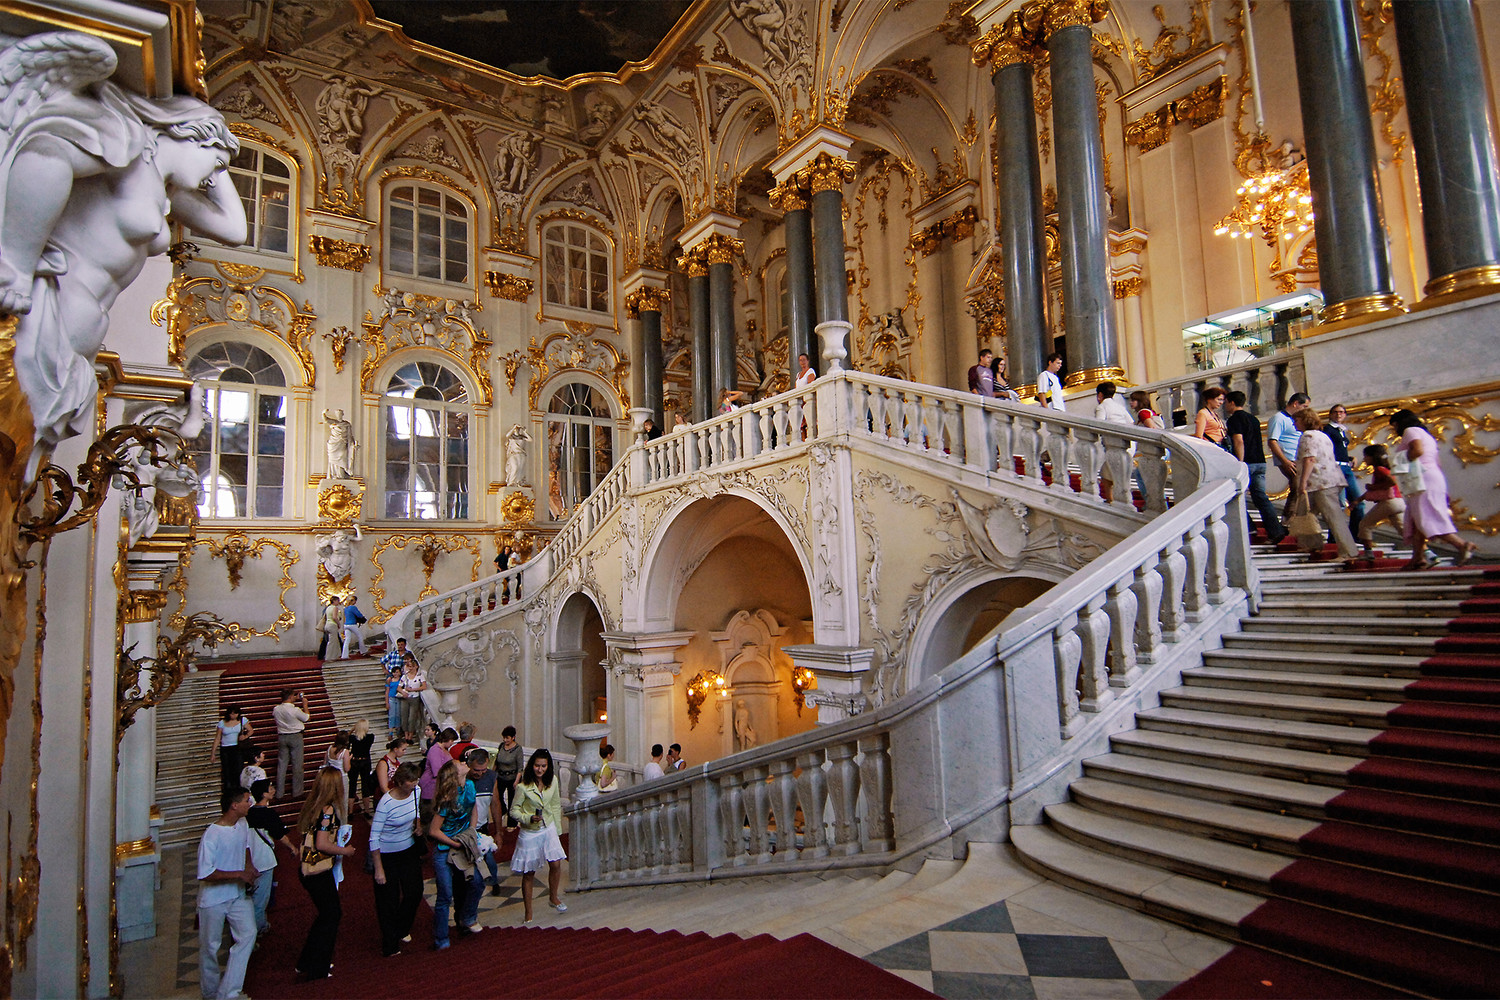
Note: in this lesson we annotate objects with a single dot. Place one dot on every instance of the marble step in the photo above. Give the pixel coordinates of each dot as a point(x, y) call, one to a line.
point(1395, 627)
point(1269, 704)
point(1251, 758)
point(1254, 828)
point(1250, 791)
point(1340, 646)
point(1194, 902)
point(1327, 659)
point(1320, 685)
point(1214, 861)
point(1289, 606)
point(1352, 586)
point(1290, 733)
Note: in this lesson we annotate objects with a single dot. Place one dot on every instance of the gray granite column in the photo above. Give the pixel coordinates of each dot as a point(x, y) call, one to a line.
point(646, 304)
point(721, 323)
point(703, 380)
point(1448, 106)
point(1354, 260)
point(826, 177)
point(797, 228)
point(1083, 221)
point(1023, 242)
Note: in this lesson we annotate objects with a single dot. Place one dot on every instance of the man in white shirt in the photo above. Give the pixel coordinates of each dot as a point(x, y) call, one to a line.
point(1108, 406)
point(290, 721)
point(674, 758)
point(653, 766)
point(224, 871)
point(1049, 387)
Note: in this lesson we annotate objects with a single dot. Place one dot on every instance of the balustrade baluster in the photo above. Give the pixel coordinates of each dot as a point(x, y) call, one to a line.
point(875, 783)
point(784, 805)
point(951, 414)
point(1171, 566)
point(1121, 608)
point(732, 812)
point(1089, 455)
point(1216, 575)
point(843, 795)
point(1147, 590)
point(635, 840)
point(608, 823)
point(680, 817)
point(1195, 590)
point(758, 811)
point(1150, 460)
point(656, 841)
point(1067, 652)
point(1093, 634)
point(812, 792)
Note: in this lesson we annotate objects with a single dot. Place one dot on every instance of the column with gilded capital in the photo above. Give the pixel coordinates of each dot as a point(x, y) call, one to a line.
point(696, 266)
point(646, 304)
point(1082, 218)
point(825, 178)
point(1354, 257)
point(1454, 140)
point(1023, 243)
point(796, 224)
point(720, 250)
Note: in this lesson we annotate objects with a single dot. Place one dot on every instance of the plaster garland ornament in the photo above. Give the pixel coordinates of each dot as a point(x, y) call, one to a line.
point(83, 163)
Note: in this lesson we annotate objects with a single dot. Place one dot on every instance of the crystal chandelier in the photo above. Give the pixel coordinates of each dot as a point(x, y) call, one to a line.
point(1277, 203)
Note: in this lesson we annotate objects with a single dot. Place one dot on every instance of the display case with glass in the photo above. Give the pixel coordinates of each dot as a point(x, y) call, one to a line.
point(1249, 332)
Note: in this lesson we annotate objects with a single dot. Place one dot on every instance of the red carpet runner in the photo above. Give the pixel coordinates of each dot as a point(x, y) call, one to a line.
point(547, 962)
point(1400, 885)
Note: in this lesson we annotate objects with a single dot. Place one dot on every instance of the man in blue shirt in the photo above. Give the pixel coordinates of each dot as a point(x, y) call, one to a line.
point(1282, 435)
point(353, 619)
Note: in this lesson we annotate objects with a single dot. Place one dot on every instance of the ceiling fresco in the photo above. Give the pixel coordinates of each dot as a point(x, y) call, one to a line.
point(551, 38)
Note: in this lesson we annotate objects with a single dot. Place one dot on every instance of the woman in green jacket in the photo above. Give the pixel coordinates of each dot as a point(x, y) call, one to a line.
point(538, 809)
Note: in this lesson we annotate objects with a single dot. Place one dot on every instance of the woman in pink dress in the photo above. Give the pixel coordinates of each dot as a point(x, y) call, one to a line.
point(1427, 514)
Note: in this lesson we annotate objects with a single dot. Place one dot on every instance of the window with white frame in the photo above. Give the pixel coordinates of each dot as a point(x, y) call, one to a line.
point(575, 267)
point(427, 416)
point(241, 453)
point(427, 234)
point(580, 446)
point(264, 182)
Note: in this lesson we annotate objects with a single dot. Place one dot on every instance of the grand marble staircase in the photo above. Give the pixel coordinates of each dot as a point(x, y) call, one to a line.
point(1325, 785)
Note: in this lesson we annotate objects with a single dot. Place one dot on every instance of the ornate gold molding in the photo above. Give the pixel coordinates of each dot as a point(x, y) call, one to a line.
point(718, 248)
point(146, 682)
point(1072, 14)
point(142, 605)
point(234, 549)
point(511, 287)
point(647, 298)
point(142, 848)
point(1203, 105)
point(518, 509)
point(1093, 376)
point(694, 262)
point(576, 351)
point(429, 547)
point(789, 197)
point(342, 254)
point(1125, 288)
point(194, 303)
point(340, 505)
point(1470, 281)
point(339, 339)
point(826, 173)
point(1164, 54)
point(410, 319)
point(1012, 41)
point(1362, 307)
point(958, 226)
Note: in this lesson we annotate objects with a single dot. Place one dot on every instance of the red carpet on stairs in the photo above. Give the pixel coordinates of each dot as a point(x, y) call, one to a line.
point(1402, 884)
point(510, 962)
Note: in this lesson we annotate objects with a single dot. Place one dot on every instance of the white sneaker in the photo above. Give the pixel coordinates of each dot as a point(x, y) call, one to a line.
point(560, 907)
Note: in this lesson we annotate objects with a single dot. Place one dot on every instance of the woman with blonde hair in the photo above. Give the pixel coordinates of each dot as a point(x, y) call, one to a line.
point(321, 823)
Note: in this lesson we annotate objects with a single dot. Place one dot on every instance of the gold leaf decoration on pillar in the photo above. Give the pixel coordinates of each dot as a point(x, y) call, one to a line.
point(340, 505)
point(518, 509)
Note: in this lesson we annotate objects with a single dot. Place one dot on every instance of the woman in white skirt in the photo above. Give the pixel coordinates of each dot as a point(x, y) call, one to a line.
point(537, 807)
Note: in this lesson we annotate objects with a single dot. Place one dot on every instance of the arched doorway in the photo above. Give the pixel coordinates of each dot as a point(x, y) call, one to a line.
point(966, 620)
point(577, 661)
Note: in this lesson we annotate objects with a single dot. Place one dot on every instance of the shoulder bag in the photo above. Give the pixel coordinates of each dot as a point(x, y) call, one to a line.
point(1304, 525)
point(314, 861)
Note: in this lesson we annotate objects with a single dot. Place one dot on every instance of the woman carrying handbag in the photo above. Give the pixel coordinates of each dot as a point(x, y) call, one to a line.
point(1319, 484)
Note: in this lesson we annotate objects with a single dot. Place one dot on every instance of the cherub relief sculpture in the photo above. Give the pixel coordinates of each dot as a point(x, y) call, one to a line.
point(89, 176)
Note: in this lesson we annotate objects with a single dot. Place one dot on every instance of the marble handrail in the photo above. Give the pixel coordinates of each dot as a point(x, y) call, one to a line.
point(1266, 383)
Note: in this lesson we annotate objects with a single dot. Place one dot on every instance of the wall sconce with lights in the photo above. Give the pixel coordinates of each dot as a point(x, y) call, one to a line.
point(803, 681)
point(704, 683)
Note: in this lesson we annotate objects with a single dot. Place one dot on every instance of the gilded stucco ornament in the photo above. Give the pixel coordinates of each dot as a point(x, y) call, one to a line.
point(233, 297)
point(518, 509)
point(339, 339)
point(340, 505)
point(574, 350)
point(511, 287)
point(411, 319)
point(145, 682)
point(647, 299)
point(149, 159)
point(428, 547)
point(342, 254)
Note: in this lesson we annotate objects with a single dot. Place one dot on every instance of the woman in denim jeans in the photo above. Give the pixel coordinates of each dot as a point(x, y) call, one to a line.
point(453, 814)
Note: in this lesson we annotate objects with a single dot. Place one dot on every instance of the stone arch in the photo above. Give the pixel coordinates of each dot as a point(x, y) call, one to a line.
point(577, 677)
point(691, 531)
point(967, 610)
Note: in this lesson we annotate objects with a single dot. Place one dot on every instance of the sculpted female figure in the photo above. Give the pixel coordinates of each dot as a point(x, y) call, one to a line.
point(89, 175)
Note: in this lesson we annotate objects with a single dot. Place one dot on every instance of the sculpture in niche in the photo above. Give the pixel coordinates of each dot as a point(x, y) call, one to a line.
point(175, 479)
point(602, 112)
point(744, 730)
point(341, 445)
point(515, 455)
point(89, 176)
point(336, 552)
point(515, 159)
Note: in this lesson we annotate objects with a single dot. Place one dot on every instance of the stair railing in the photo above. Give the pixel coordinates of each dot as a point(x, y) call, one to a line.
point(1266, 383)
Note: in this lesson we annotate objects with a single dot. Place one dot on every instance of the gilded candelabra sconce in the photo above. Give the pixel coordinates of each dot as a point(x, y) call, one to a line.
point(703, 684)
point(803, 681)
point(339, 339)
point(147, 681)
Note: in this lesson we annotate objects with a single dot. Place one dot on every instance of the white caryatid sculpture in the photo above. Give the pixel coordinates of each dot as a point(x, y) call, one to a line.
point(341, 445)
point(336, 552)
point(90, 174)
point(515, 455)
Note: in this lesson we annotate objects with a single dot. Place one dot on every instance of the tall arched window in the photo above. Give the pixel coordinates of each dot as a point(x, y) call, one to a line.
point(427, 235)
point(264, 182)
point(576, 267)
point(426, 443)
point(241, 453)
point(580, 446)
